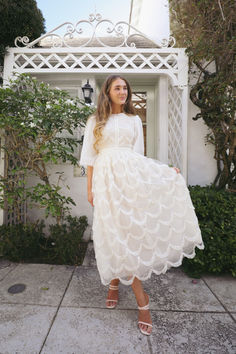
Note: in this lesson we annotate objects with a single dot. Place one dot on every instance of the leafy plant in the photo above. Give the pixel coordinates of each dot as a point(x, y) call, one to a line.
point(19, 242)
point(66, 239)
point(28, 243)
point(19, 18)
point(216, 212)
point(38, 124)
point(207, 29)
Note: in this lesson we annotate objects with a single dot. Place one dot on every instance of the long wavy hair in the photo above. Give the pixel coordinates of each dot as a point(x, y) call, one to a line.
point(104, 107)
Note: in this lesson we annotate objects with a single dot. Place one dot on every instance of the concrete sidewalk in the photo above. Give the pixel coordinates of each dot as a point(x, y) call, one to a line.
point(62, 310)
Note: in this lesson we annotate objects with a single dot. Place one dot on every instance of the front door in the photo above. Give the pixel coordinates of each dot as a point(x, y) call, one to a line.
point(143, 101)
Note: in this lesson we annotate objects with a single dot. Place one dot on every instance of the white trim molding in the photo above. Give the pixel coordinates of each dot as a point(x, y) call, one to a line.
point(168, 61)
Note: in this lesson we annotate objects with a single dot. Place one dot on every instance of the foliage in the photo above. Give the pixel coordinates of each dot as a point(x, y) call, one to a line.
point(66, 239)
point(216, 212)
point(38, 124)
point(28, 242)
point(207, 29)
point(19, 18)
point(18, 242)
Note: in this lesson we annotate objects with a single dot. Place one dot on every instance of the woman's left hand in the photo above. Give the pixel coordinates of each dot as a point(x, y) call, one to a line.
point(177, 169)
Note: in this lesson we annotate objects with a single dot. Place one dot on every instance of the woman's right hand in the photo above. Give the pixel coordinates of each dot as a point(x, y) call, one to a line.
point(90, 198)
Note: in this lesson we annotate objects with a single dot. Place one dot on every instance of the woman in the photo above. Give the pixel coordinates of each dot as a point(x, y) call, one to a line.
point(144, 220)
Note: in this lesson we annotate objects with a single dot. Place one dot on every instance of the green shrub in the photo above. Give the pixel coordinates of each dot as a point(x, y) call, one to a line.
point(66, 240)
point(28, 243)
point(19, 242)
point(216, 212)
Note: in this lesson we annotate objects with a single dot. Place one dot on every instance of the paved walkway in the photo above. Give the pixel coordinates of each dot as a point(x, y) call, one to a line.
point(62, 310)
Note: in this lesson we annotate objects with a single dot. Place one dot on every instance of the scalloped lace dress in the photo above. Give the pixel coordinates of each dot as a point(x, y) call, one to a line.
point(144, 220)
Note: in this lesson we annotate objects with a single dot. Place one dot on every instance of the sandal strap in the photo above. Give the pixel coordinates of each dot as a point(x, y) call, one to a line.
point(145, 323)
point(113, 287)
point(146, 307)
point(111, 300)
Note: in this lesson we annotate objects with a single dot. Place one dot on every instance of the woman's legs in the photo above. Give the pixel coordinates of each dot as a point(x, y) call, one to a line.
point(142, 300)
point(112, 294)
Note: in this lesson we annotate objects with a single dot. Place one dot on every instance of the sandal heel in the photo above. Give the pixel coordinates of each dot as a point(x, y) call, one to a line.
point(146, 307)
point(112, 287)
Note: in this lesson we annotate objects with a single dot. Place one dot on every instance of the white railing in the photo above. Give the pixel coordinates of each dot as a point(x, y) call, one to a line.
point(91, 31)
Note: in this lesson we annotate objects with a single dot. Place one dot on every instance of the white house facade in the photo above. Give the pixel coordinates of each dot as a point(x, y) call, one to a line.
point(151, 17)
point(158, 72)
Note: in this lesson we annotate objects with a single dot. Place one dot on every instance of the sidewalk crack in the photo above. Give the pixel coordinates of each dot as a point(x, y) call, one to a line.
point(226, 310)
point(58, 307)
point(10, 270)
point(149, 345)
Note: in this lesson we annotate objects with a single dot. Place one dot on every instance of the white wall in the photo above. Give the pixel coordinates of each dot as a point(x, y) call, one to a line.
point(202, 167)
point(152, 18)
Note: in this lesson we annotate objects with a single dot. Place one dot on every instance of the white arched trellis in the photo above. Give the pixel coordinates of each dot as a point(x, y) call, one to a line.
point(99, 46)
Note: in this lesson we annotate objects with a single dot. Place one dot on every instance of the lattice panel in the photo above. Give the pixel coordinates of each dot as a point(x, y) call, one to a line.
point(10, 217)
point(76, 62)
point(18, 212)
point(175, 126)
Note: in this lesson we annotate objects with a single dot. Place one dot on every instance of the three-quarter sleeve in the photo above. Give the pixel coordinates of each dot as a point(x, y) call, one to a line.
point(88, 153)
point(139, 140)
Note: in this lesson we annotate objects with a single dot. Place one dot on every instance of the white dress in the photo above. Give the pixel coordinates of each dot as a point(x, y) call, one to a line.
point(144, 220)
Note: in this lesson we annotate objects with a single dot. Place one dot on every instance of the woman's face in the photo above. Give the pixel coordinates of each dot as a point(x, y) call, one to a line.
point(118, 92)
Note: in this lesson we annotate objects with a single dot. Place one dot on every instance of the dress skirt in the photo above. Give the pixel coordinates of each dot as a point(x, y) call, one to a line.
point(144, 220)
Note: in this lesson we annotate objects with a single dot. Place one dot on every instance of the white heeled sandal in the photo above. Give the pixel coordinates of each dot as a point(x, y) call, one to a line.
point(112, 287)
point(146, 307)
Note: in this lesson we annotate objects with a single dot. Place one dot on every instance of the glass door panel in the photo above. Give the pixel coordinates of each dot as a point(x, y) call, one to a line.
point(139, 99)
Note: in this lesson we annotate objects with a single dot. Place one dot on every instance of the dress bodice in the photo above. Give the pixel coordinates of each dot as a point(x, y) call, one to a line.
point(121, 130)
